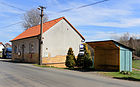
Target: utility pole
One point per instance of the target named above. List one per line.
(40, 36)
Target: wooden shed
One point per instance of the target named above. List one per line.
(111, 55)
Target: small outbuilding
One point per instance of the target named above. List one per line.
(111, 55)
(1, 47)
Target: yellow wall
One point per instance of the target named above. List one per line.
(57, 61)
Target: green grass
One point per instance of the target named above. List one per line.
(74, 69)
(134, 75)
(136, 64)
(44, 66)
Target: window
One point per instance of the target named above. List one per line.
(31, 48)
(15, 49)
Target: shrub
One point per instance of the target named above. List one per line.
(80, 60)
(85, 60)
(70, 59)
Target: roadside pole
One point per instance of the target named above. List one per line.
(40, 36)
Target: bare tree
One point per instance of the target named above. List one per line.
(32, 18)
(132, 42)
(124, 39)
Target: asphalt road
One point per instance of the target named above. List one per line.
(26, 75)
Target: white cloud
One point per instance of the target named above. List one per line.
(102, 16)
(120, 14)
(100, 35)
(124, 23)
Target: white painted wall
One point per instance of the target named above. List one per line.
(1, 47)
(59, 39)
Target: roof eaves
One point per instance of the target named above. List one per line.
(123, 45)
(113, 42)
(73, 28)
(24, 38)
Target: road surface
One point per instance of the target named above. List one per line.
(26, 75)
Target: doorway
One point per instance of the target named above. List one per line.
(22, 52)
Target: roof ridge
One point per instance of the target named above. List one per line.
(46, 22)
(55, 19)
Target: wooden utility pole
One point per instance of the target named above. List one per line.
(40, 36)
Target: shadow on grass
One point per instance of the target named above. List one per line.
(127, 78)
(90, 70)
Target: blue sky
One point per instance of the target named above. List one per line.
(108, 20)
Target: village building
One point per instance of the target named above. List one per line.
(8, 45)
(58, 36)
(7, 51)
(1, 47)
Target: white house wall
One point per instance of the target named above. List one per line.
(1, 47)
(59, 39)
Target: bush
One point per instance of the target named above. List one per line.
(85, 60)
(80, 60)
(70, 59)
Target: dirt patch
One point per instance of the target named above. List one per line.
(135, 69)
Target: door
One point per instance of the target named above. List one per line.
(23, 52)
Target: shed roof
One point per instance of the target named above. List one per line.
(35, 31)
(108, 44)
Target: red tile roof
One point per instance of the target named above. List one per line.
(34, 31)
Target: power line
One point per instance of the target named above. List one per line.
(11, 24)
(83, 6)
(66, 10)
(3, 3)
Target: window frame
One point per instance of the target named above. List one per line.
(31, 48)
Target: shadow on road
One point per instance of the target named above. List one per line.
(91, 70)
(127, 78)
(10, 61)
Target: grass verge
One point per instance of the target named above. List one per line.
(44, 66)
(74, 69)
(136, 64)
(134, 75)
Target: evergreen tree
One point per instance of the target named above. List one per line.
(85, 60)
(80, 60)
(70, 59)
